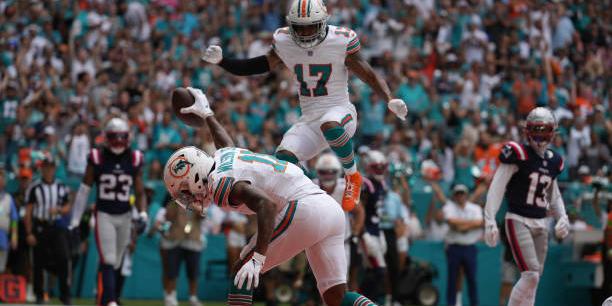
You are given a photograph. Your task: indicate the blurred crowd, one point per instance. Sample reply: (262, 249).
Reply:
(469, 72)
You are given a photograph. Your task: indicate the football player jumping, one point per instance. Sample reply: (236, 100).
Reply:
(527, 178)
(115, 169)
(320, 56)
(293, 214)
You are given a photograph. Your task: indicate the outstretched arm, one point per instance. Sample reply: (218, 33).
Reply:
(242, 67)
(220, 136)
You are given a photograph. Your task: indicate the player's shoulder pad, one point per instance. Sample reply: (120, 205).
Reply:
(512, 153)
(348, 37)
(137, 158)
(220, 189)
(281, 35)
(556, 159)
(95, 156)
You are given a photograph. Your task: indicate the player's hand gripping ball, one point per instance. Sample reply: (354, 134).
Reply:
(191, 106)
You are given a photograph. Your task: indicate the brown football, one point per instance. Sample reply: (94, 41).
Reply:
(182, 98)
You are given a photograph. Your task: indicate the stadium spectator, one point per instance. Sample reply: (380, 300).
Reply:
(465, 222)
(184, 242)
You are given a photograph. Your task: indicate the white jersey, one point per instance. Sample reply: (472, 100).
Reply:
(283, 182)
(320, 72)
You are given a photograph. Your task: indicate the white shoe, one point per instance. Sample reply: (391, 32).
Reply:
(30, 297)
(113, 303)
(193, 301)
(170, 299)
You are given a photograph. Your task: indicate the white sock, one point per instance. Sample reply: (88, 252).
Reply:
(458, 300)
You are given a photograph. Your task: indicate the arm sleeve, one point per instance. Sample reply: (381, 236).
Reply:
(556, 201)
(80, 201)
(243, 67)
(502, 176)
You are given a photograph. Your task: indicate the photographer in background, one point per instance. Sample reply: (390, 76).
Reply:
(184, 242)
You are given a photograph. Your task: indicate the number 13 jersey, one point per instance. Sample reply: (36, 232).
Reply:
(527, 190)
(320, 72)
(283, 182)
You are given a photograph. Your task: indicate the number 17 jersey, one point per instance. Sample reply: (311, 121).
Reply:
(527, 190)
(320, 71)
(282, 181)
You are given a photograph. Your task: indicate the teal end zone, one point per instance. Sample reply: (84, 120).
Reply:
(563, 283)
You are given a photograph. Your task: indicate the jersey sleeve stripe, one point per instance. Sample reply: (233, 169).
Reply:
(218, 190)
(518, 149)
(353, 42)
(223, 195)
(353, 49)
(226, 191)
(95, 156)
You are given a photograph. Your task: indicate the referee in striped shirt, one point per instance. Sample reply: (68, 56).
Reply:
(47, 204)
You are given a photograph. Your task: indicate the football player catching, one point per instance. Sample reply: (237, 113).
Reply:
(116, 170)
(320, 56)
(526, 177)
(293, 214)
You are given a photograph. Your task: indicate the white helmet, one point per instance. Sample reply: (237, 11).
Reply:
(376, 164)
(540, 128)
(307, 21)
(186, 178)
(328, 169)
(117, 133)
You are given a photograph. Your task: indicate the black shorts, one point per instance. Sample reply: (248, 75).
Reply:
(177, 255)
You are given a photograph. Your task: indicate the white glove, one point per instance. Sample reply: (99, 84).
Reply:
(398, 107)
(201, 106)
(491, 233)
(143, 217)
(562, 227)
(250, 272)
(213, 55)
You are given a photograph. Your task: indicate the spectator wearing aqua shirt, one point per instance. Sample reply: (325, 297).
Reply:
(166, 138)
(413, 93)
(558, 146)
(373, 111)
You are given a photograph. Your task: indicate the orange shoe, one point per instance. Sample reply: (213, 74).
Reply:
(352, 191)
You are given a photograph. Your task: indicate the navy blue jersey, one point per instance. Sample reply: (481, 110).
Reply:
(527, 190)
(114, 176)
(373, 195)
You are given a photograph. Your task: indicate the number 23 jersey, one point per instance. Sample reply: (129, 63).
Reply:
(321, 74)
(527, 190)
(283, 182)
(114, 176)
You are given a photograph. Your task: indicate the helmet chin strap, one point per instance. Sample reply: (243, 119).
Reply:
(117, 150)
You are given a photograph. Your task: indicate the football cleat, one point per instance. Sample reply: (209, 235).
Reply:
(352, 191)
